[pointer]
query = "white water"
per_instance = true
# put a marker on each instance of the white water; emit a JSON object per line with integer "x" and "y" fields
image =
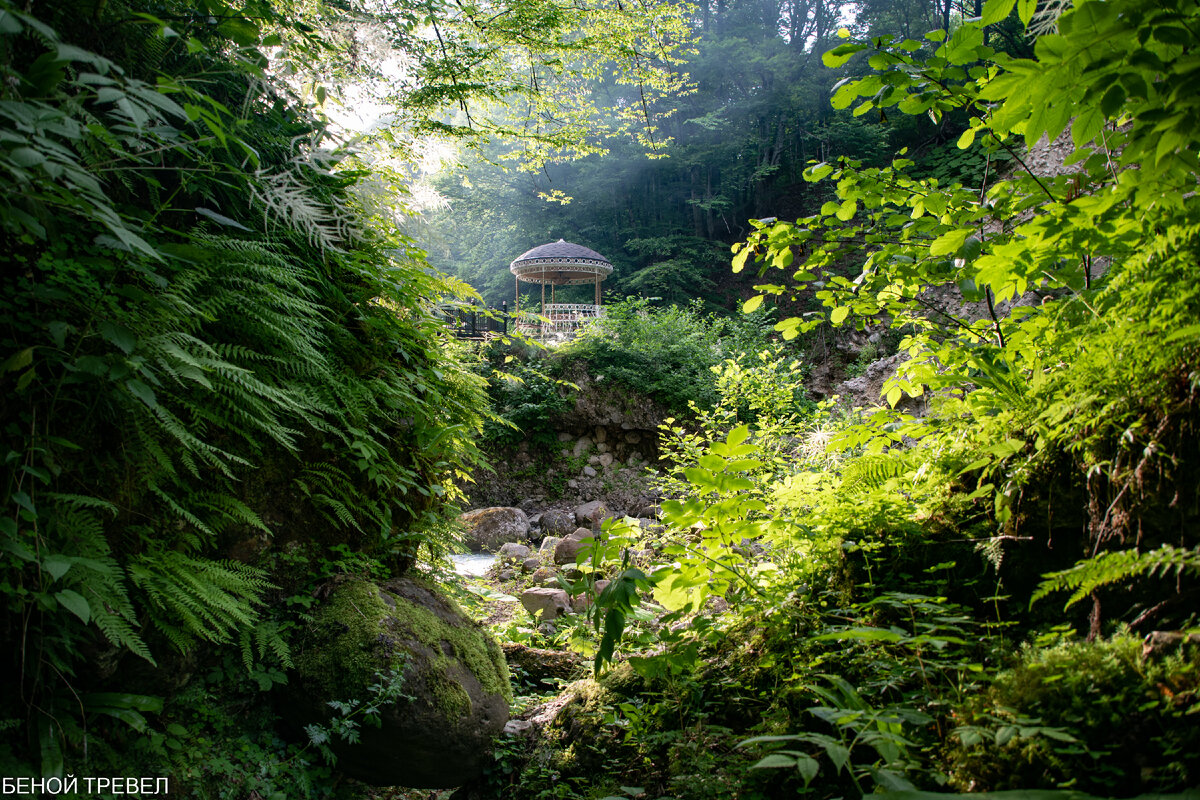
{"x": 472, "y": 563}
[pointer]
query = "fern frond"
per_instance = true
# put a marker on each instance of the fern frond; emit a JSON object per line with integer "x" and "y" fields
{"x": 195, "y": 598}
{"x": 871, "y": 471}
{"x": 1117, "y": 566}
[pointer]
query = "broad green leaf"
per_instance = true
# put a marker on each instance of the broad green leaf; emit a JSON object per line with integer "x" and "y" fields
{"x": 76, "y": 603}
{"x": 949, "y": 242}
{"x": 117, "y": 334}
{"x": 142, "y": 392}
{"x": 1025, "y": 10}
{"x": 739, "y": 260}
{"x": 57, "y": 565}
{"x": 752, "y": 304}
{"x": 996, "y": 11}
{"x": 774, "y": 761}
{"x": 738, "y": 435}
{"x": 839, "y": 314}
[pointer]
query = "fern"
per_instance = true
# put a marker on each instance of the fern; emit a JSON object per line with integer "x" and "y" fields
{"x": 262, "y": 639}
{"x": 871, "y": 471}
{"x": 1117, "y": 566}
{"x": 194, "y": 598}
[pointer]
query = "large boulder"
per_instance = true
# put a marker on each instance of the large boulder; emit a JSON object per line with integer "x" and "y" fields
{"x": 451, "y": 679}
{"x": 557, "y": 522}
{"x": 488, "y": 528}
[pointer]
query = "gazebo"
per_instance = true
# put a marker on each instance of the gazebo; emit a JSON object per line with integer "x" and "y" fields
{"x": 557, "y": 264}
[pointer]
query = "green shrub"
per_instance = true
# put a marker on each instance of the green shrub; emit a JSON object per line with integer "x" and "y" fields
{"x": 666, "y": 353}
{"x": 1092, "y": 716}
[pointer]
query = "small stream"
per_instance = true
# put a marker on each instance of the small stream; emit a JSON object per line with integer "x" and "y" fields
{"x": 472, "y": 563}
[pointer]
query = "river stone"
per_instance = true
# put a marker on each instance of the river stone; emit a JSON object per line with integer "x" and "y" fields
{"x": 581, "y": 603}
{"x": 530, "y": 564}
{"x": 556, "y": 522}
{"x": 546, "y": 604}
{"x": 652, "y": 511}
{"x": 512, "y": 550}
{"x": 455, "y": 683}
{"x": 488, "y": 528}
{"x": 568, "y": 549}
{"x": 549, "y": 543}
{"x": 585, "y": 512}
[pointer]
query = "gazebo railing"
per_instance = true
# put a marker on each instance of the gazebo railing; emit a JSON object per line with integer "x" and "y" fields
{"x": 563, "y": 318}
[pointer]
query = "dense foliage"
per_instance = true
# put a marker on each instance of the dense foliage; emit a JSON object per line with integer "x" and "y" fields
{"x": 224, "y": 382}
{"x": 865, "y": 601}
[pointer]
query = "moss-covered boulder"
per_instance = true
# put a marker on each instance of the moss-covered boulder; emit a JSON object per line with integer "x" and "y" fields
{"x": 454, "y": 683}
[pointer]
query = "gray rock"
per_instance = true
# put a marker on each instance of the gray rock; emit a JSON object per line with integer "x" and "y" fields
{"x": 652, "y": 511}
{"x": 605, "y": 459}
{"x": 602, "y": 448}
{"x": 488, "y": 528}
{"x": 530, "y": 564}
{"x": 563, "y": 436}
{"x": 455, "y": 682}
{"x": 581, "y": 602}
{"x": 543, "y": 576}
{"x": 589, "y": 471}
{"x": 556, "y": 522}
{"x": 506, "y": 575}
{"x": 513, "y": 550}
{"x": 579, "y": 534}
{"x": 582, "y": 446}
{"x": 601, "y": 434}
{"x": 633, "y": 437}
{"x": 568, "y": 549}
{"x": 546, "y": 604}
{"x": 549, "y": 543}
{"x": 585, "y": 512}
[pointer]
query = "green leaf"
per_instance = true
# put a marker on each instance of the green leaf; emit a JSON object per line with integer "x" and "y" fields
{"x": 839, "y": 314}
{"x": 1025, "y": 10}
{"x": 738, "y": 435}
{"x": 739, "y": 260}
{"x": 124, "y": 339}
{"x": 967, "y": 139}
{"x": 841, "y": 54}
{"x": 752, "y": 304}
{"x": 142, "y": 392}
{"x": 220, "y": 219}
{"x": 817, "y": 172}
{"x": 949, "y": 242}
{"x": 57, "y": 565}
{"x": 76, "y": 603}
{"x": 19, "y": 360}
{"x": 775, "y": 761}
{"x": 9, "y": 24}
{"x": 996, "y": 11}
{"x": 1112, "y": 101}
